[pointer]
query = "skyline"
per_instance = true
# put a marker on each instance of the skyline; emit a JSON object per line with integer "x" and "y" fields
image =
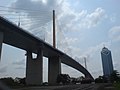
{"x": 84, "y": 27}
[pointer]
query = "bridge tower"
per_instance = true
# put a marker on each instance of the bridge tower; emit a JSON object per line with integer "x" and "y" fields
{"x": 54, "y": 33}
{"x": 54, "y": 62}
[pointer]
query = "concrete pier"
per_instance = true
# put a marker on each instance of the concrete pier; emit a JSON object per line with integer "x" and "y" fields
{"x": 34, "y": 68}
{"x": 1, "y": 41}
{"x": 54, "y": 68}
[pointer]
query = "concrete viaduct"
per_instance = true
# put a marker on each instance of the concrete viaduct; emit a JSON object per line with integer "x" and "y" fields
{"x": 15, "y": 36}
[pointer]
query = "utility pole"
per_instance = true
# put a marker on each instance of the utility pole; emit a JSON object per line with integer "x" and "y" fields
{"x": 54, "y": 37}
{"x": 85, "y": 62}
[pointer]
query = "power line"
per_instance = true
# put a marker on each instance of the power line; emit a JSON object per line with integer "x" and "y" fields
{"x": 28, "y": 16}
{"x": 66, "y": 42}
{"x": 23, "y": 15}
{"x": 28, "y": 19}
{"x": 28, "y": 24}
{"x": 21, "y": 9}
{"x": 13, "y": 12}
{"x": 15, "y": 16}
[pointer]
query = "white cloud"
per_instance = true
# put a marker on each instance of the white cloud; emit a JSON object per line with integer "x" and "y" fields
{"x": 66, "y": 44}
{"x": 72, "y": 20}
{"x": 94, "y": 18}
{"x": 97, "y": 73}
{"x": 113, "y": 18}
{"x": 114, "y": 33}
{"x": 20, "y": 62}
{"x": 38, "y": 13}
{"x": 79, "y": 59}
{"x": 92, "y": 50}
{"x": 20, "y": 67}
{"x": 71, "y": 71}
{"x": 67, "y": 18}
{"x": 3, "y": 69}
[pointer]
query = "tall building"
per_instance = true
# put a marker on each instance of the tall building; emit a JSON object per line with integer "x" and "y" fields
{"x": 106, "y": 61}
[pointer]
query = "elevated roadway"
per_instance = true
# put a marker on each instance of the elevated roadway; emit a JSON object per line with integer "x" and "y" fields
{"x": 17, "y": 37}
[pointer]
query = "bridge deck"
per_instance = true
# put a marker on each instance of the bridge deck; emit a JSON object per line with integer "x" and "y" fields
{"x": 17, "y": 37}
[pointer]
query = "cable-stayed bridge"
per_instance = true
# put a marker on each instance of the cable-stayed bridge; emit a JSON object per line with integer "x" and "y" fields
{"x": 14, "y": 35}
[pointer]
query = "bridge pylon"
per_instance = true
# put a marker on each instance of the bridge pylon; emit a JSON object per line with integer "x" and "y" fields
{"x": 34, "y": 68}
{"x": 54, "y": 68}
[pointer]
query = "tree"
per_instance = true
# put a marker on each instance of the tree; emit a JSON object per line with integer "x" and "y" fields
{"x": 63, "y": 78}
{"x": 22, "y": 81}
{"x": 8, "y": 81}
{"x": 101, "y": 79}
{"x": 114, "y": 77}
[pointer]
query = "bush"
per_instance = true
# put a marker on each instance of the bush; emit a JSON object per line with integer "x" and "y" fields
{"x": 86, "y": 81}
{"x": 22, "y": 81}
{"x": 63, "y": 78}
{"x": 114, "y": 77}
{"x": 101, "y": 79}
{"x": 8, "y": 81}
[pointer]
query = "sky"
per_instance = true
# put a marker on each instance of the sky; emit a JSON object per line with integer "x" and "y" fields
{"x": 83, "y": 28}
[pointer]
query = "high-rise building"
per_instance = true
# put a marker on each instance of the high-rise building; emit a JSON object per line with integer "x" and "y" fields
{"x": 106, "y": 61}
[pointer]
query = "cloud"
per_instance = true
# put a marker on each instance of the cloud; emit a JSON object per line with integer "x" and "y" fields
{"x": 94, "y": 18}
{"x": 97, "y": 73}
{"x": 79, "y": 59}
{"x": 71, "y": 71}
{"x": 91, "y": 51}
{"x": 66, "y": 44}
{"x": 112, "y": 18}
{"x": 72, "y": 20}
{"x": 20, "y": 62}
{"x": 89, "y": 54}
{"x": 3, "y": 69}
{"x": 117, "y": 66}
{"x": 38, "y": 12}
{"x": 114, "y": 33}
{"x": 20, "y": 67}
{"x": 67, "y": 18}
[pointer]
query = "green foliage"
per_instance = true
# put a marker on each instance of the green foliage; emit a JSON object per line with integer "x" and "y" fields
{"x": 63, "y": 78}
{"x": 74, "y": 80}
{"x": 114, "y": 77}
{"x": 117, "y": 86}
{"x": 11, "y": 82}
{"x": 8, "y": 81}
{"x": 86, "y": 81}
{"x": 22, "y": 81}
{"x": 101, "y": 79}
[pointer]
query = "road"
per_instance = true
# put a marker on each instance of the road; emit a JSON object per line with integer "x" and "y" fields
{"x": 65, "y": 87}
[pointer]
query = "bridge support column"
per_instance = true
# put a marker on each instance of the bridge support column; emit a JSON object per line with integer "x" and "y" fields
{"x": 1, "y": 41}
{"x": 34, "y": 67}
{"x": 54, "y": 68}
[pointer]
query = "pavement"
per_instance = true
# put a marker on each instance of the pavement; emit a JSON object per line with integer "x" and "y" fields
{"x": 65, "y": 87}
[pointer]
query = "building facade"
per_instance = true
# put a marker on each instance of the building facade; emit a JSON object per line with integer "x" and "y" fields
{"x": 106, "y": 61}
